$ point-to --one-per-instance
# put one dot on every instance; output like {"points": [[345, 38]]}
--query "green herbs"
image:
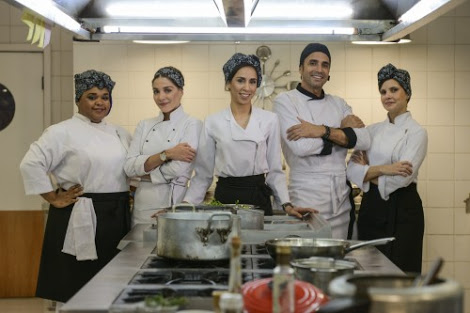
{"points": [[159, 300], [215, 202]]}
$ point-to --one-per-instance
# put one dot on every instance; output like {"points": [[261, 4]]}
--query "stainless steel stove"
{"points": [[194, 280]]}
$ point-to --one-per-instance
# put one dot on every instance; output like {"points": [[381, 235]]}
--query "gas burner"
{"points": [[158, 262]]}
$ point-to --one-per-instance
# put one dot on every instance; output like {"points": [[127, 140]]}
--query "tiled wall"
{"points": [[438, 61]]}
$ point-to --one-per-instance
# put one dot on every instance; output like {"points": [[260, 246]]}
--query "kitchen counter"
{"points": [[98, 294]]}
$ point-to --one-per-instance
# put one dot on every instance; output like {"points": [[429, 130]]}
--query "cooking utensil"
{"points": [[392, 293], [196, 236], [319, 271], [307, 247], [431, 275]]}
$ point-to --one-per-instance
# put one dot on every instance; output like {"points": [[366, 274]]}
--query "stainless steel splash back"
{"points": [[219, 20]]}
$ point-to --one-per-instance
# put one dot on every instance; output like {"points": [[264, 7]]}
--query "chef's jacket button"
{"points": [[168, 140], [173, 129], [146, 141], [153, 129]]}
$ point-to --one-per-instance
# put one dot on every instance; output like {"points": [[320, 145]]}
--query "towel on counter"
{"points": [[80, 236]]}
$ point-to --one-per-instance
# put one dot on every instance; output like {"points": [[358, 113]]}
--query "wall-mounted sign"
{"points": [[7, 107]]}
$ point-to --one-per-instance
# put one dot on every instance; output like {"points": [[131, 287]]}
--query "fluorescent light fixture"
{"points": [[158, 10], [420, 10], [403, 40], [48, 10], [160, 42], [231, 30], [303, 10]]}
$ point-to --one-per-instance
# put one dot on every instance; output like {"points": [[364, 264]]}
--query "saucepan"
{"points": [[302, 248]]}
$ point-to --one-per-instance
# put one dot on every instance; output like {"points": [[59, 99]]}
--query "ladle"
{"points": [[431, 275]]}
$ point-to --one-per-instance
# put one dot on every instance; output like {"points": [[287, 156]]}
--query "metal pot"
{"points": [[307, 247], [393, 293], [195, 235], [319, 271]]}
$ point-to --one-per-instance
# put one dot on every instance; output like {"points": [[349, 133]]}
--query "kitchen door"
{"points": [[21, 73]]}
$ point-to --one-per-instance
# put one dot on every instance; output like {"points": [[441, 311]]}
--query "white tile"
{"points": [[66, 40], [466, 308], [87, 56], [140, 109], [4, 34], [439, 221], [440, 139], [55, 38], [462, 274], [338, 56], [461, 221], [219, 54], [363, 109], [140, 85], [199, 108], [462, 192], [67, 110], [166, 55], [67, 88], [440, 194], [279, 52], [419, 36], [196, 85], [462, 112], [461, 85], [440, 246], [462, 142], [216, 85], [381, 56], [462, 30], [441, 85], [195, 57], [461, 248], [15, 16], [462, 166], [378, 112], [141, 57], [358, 58], [18, 34], [55, 88], [463, 9], [113, 58], [358, 84], [55, 111], [440, 112], [419, 110], [248, 47], [441, 31], [422, 191], [215, 105], [337, 84], [296, 50], [4, 14], [440, 166], [55, 63], [66, 63], [462, 59], [119, 113], [440, 58], [413, 57], [419, 85], [121, 89], [423, 171]]}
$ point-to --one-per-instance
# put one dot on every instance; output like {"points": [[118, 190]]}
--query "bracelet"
{"points": [[327, 133], [285, 205]]}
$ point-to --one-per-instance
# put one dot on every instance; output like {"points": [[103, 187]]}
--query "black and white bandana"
{"points": [[89, 79], [239, 60], [172, 74], [391, 72]]}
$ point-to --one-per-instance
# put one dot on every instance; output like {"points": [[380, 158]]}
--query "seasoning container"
{"points": [[232, 301], [283, 282]]}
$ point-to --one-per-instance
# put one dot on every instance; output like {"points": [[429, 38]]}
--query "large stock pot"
{"points": [[196, 235]]}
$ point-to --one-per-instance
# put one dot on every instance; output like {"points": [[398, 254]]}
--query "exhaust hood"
{"points": [[240, 20]]}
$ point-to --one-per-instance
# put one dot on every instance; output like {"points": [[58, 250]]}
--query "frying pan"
{"points": [[307, 247]]}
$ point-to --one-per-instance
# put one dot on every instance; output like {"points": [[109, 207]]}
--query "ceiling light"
{"points": [[160, 42], [302, 10], [48, 10], [158, 11], [403, 40], [231, 30]]}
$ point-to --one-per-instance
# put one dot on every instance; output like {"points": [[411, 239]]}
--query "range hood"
{"points": [[240, 20]]}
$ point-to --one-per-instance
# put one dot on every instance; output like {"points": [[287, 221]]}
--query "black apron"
{"points": [[246, 190], [60, 274], [402, 217]]}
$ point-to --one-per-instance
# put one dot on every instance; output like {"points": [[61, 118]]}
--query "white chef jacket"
{"points": [[228, 150], [318, 181], [77, 151], [168, 181], [404, 140]]}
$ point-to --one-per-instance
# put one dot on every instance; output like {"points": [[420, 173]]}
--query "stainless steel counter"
{"points": [[102, 290]]}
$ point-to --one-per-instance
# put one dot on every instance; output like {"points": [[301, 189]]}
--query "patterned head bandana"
{"points": [[401, 76], [91, 78], [172, 74], [239, 60], [311, 48]]}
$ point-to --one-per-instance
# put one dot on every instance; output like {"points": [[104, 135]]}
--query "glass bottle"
{"points": [[283, 282], [232, 301]]}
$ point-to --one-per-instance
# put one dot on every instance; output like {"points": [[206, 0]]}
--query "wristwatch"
{"points": [[163, 156], [285, 205]]}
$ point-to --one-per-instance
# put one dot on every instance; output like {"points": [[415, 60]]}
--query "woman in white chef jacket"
{"points": [[387, 173], [86, 156], [163, 148], [241, 146]]}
